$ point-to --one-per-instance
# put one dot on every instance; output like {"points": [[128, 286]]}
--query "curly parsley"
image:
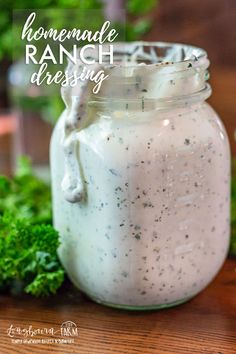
{"points": [[28, 242]]}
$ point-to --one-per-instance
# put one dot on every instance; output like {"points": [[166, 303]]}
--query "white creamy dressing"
{"points": [[76, 100], [149, 222]]}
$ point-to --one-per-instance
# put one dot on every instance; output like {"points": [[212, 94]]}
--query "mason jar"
{"points": [[141, 185]]}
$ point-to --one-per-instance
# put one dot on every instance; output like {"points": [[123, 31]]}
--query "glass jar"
{"points": [[141, 185]]}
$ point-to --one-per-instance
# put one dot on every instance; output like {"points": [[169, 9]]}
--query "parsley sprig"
{"points": [[28, 242]]}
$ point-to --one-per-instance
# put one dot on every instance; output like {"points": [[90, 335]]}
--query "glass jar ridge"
{"points": [[153, 74]]}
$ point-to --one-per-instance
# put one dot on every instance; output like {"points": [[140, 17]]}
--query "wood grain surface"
{"points": [[208, 24], [206, 324]]}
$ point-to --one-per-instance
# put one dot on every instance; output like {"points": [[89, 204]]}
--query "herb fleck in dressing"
{"points": [[147, 171]]}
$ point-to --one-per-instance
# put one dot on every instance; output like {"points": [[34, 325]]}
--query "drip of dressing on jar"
{"points": [[75, 118], [72, 183]]}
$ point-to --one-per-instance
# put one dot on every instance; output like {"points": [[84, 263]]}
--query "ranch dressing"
{"points": [[135, 177]]}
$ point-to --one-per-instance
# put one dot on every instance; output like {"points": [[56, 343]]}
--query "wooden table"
{"points": [[206, 324]]}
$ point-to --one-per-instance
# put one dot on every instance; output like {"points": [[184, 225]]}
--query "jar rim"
{"points": [[177, 56], [144, 71]]}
